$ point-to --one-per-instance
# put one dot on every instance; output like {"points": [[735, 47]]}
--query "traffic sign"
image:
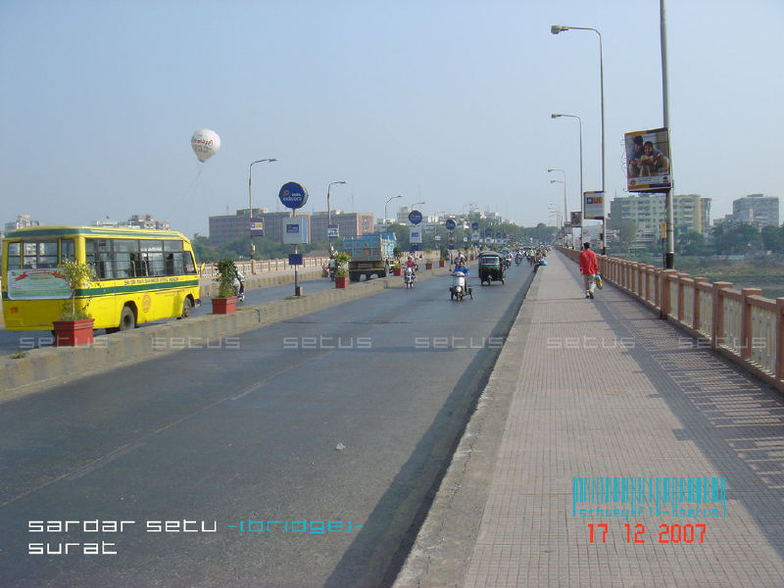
{"points": [[293, 195], [415, 217], [450, 224]]}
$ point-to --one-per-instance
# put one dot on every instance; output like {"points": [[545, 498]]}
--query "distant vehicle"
{"points": [[371, 254], [491, 267], [409, 277], [142, 276]]}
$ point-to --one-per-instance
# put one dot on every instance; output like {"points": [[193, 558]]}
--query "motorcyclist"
{"points": [[412, 264], [239, 284], [460, 267]]}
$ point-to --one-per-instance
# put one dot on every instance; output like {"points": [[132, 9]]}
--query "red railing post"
{"points": [[779, 338], [696, 310], [717, 332], [745, 321], [664, 288]]}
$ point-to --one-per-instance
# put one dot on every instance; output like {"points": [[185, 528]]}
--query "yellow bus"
{"points": [[142, 276]]}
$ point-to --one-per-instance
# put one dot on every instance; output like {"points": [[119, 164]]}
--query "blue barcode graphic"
{"points": [[650, 495]]}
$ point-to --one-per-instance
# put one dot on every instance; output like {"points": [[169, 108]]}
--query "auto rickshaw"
{"points": [[491, 267]]}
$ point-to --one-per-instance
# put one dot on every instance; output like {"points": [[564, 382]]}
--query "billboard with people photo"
{"points": [[648, 160]]}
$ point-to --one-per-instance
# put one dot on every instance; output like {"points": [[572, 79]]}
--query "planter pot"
{"points": [[73, 333], [224, 305], [441, 263], [428, 265], [397, 271], [341, 281]]}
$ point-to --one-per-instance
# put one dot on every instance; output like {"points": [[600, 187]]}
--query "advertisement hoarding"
{"points": [[594, 205], [648, 160]]}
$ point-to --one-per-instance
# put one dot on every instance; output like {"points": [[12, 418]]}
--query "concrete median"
{"points": [[37, 369]]}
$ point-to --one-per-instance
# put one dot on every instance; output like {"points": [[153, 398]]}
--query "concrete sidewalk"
{"points": [[604, 388]]}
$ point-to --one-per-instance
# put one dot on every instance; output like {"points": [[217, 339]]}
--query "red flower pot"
{"points": [[397, 271], [224, 305], [341, 281], [441, 263], [428, 265], [73, 333]]}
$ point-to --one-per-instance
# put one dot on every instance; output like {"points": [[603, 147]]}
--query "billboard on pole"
{"points": [[648, 160], [594, 205]]}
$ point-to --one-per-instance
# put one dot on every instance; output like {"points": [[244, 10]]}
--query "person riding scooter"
{"points": [[409, 272], [239, 285]]}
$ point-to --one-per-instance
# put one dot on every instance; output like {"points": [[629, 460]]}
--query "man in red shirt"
{"points": [[589, 267]]}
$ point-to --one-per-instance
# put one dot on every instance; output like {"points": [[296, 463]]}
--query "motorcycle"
{"points": [[518, 259], [239, 287], [409, 276], [459, 289]]}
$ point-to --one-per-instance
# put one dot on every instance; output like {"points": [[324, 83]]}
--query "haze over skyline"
{"points": [[440, 101]]}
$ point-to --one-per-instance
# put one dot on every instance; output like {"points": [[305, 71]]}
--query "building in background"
{"points": [[230, 227], [350, 224], [691, 213], [137, 221], [757, 210], [22, 222]]}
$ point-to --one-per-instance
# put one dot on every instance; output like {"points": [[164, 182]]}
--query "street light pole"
{"points": [[329, 216], [250, 198], [669, 258], [582, 197], [386, 224], [555, 29], [552, 169]]}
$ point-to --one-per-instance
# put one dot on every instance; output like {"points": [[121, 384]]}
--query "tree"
{"points": [[773, 238], [690, 243], [627, 232]]}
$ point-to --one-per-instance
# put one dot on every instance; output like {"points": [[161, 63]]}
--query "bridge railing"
{"points": [[738, 323]]}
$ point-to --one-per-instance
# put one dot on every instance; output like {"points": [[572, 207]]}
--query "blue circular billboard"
{"points": [[415, 217], [293, 195], [450, 224]]}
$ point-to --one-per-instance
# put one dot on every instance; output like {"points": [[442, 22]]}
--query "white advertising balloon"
{"points": [[205, 144]]}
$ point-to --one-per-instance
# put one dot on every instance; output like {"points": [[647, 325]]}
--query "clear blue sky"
{"points": [[443, 101]]}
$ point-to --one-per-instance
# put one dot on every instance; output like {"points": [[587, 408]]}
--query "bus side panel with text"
{"points": [[151, 272]]}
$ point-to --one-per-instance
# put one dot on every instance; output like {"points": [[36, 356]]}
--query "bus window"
{"points": [[67, 252], [13, 255], [190, 266], [39, 254], [152, 253], [125, 258], [98, 254]]}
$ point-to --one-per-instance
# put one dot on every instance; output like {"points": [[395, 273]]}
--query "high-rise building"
{"points": [[757, 210], [22, 222], [691, 213]]}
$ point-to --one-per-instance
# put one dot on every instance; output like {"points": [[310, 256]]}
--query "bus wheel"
{"points": [[127, 319], [187, 306]]}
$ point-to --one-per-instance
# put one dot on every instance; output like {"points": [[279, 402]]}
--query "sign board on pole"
{"points": [[474, 226], [648, 160], [295, 230], [415, 236], [293, 195], [295, 259], [415, 217], [332, 232], [450, 224], [256, 227], [577, 218], [594, 205]]}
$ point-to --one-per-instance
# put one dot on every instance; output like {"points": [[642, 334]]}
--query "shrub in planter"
{"points": [[225, 302], [75, 325]]}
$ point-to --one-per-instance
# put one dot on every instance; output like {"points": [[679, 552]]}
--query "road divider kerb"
{"points": [[49, 366]]}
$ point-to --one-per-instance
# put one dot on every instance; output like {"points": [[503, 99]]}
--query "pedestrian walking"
{"points": [[589, 267]]}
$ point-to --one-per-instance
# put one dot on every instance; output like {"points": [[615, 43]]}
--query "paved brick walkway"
{"points": [[605, 388]]}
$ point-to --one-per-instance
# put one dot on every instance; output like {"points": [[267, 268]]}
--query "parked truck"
{"points": [[373, 253]]}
